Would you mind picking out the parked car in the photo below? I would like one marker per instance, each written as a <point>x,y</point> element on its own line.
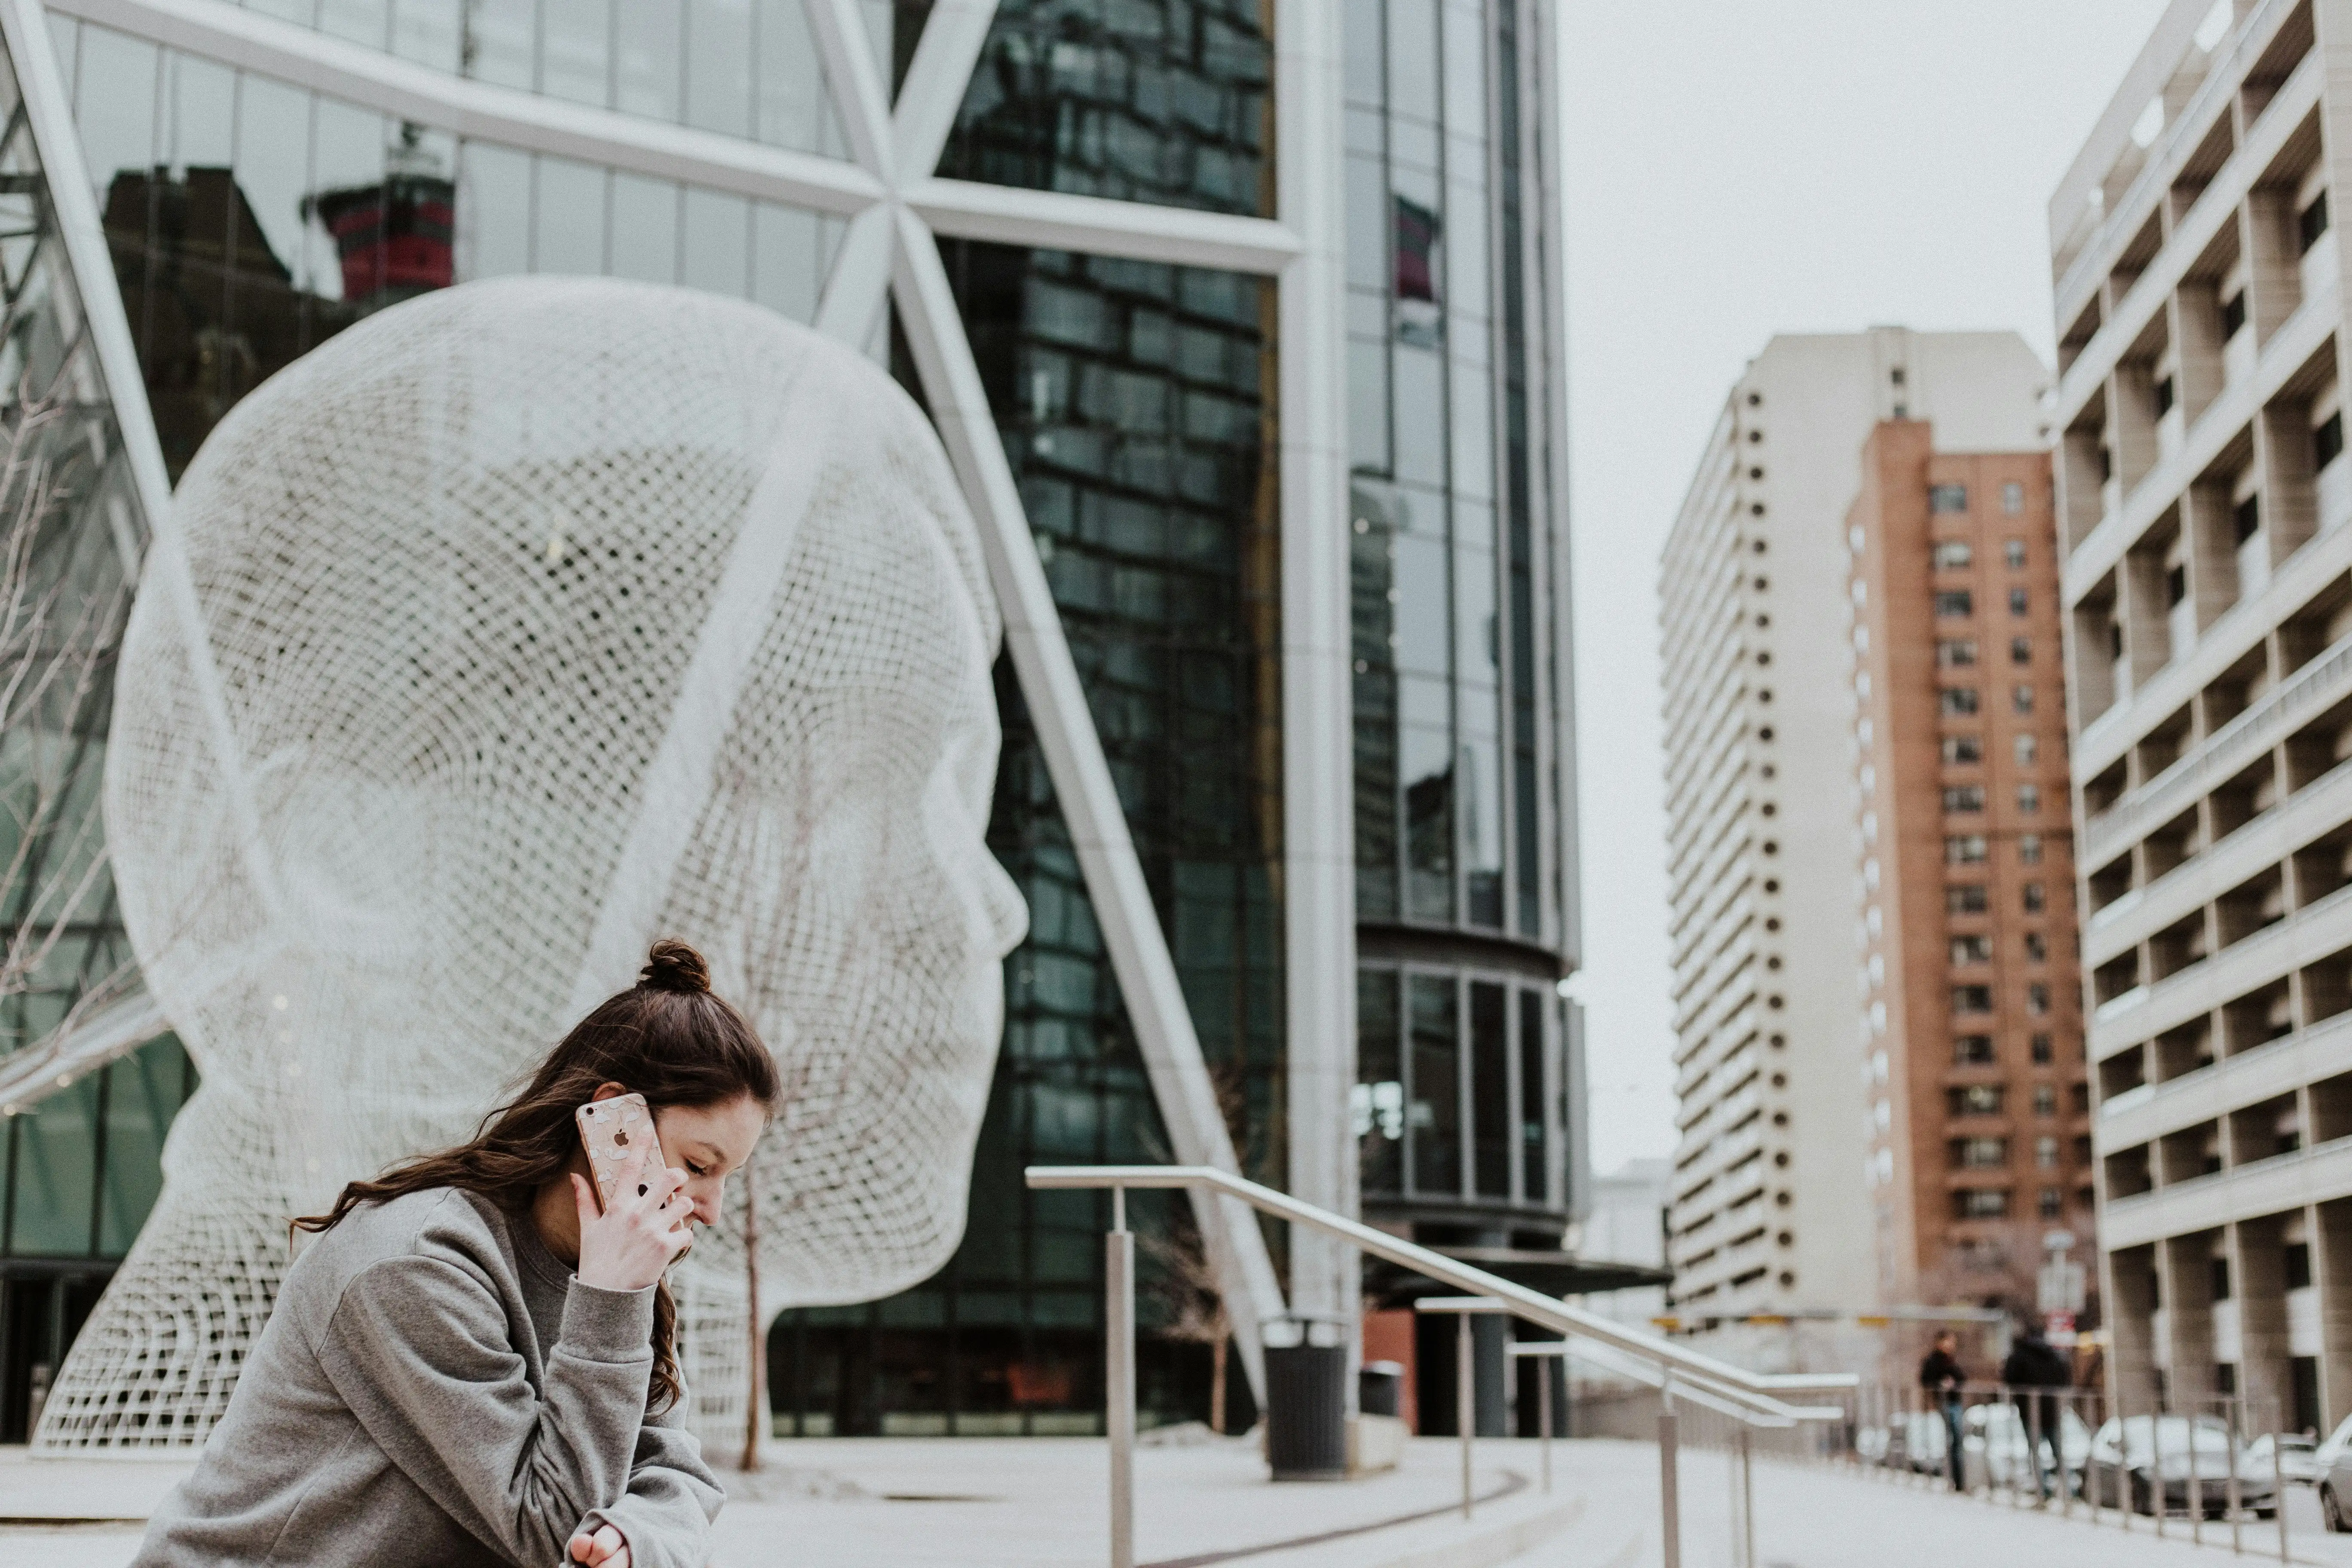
<point>2299,1459</point>
<point>1997,1444</point>
<point>2142,1458</point>
<point>1993,1439</point>
<point>2333,1460</point>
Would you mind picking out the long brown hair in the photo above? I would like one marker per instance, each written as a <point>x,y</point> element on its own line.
<point>667,1037</point>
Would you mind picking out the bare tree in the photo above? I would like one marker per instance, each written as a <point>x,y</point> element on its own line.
<point>1186,1287</point>
<point>757,1360</point>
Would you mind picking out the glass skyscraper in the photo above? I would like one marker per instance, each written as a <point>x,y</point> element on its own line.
<point>262,185</point>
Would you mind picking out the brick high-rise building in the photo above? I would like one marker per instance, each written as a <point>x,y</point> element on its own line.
<point>1976,1111</point>
<point>1770,1216</point>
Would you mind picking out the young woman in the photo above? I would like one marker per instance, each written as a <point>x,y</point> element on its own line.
<point>471,1364</point>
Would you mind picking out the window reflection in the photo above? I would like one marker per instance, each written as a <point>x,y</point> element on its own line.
<point>1435,1087</point>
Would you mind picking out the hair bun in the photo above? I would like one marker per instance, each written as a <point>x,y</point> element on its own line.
<point>672,965</point>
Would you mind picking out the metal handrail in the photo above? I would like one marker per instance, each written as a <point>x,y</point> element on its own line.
<point>1534,1307</point>
<point>1706,1379</point>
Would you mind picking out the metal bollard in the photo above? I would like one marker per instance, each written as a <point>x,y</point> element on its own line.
<point>2196,1484</point>
<point>1747,1499</point>
<point>1670,1530</point>
<point>1119,1370</point>
<point>2278,1496</point>
<point>2235,1499</point>
<point>1543,1413</point>
<point>1465,1401</point>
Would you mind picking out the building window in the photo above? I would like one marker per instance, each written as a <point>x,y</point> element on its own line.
<point>1961,750</point>
<point>2020,698</point>
<point>2312,222</point>
<point>2036,899</point>
<point>1976,1099</point>
<point>1955,653</point>
<point>1947,497</point>
<point>2328,441</point>
<point>2029,848</point>
<point>2021,650</point>
<point>2298,1265</point>
<point>1952,554</point>
<point>1965,899</point>
<point>1971,949</point>
<point>2233,315</point>
<point>2037,999</point>
<point>1981,1154</point>
<point>1981,1203</point>
<point>2176,585</point>
<point>1958,702</point>
<point>2042,1054</point>
<point>2017,601</point>
<point>2027,749</point>
<point>2046,1154</point>
<point>2045,1102</point>
<point>1954,604</point>
<point>2050,1204</point>
<point>2013,501</point>
<point>2248,517</point>
<point>2028,798</point>
<point>1974,1051</point>
<point>2037,948</point>
<point>1970,1000</point>
<point>1964,797</point>
<point>2162,392</point>
<point>1964,850</point>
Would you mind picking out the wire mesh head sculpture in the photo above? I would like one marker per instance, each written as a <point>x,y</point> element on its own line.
<point>546,616</point>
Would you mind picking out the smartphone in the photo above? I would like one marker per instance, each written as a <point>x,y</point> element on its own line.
<point>611,1131</point>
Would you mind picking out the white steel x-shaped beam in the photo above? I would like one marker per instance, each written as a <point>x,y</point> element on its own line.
<point>889,254</point>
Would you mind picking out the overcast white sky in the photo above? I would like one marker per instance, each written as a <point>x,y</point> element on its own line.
<point>1733,170</point>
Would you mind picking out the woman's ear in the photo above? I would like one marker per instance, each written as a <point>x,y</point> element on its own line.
<point>606,1091</point>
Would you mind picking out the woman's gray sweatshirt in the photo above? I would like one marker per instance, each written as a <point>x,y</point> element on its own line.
<point>434,1386</point>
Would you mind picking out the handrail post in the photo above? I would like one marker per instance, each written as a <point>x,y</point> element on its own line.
<point>2196,1485</point>
<point>1670,1532</point>
<point>1119,1311</point>
<point>1465,1401</point>
<point>2236,1496</point>
<point>1747,1497</point>
<point>1543,1411</point>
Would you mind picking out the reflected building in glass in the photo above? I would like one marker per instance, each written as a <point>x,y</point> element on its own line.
<point>249,213</point>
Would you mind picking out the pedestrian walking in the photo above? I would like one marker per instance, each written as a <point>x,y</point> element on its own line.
<point>2034,1364</point>
<point>1941,1374</point>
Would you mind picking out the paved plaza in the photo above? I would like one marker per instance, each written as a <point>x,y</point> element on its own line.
<point>1040,1503</point>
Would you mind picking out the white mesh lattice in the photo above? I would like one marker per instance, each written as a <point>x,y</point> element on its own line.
<point>553,615</point>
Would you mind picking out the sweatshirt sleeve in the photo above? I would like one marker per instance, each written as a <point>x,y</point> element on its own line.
<point>673,1497</point>
<point>421,1352</point>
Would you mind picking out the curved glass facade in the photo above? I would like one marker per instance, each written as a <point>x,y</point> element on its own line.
<point>1463,1051</point>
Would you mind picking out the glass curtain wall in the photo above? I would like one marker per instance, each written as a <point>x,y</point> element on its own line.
<point>1135,404</point>
<point>78,1170</point>
<point>1459,1106</point>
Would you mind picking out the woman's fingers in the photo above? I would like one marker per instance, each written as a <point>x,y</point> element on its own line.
<point>580,1546</point>
<point>612,1550</point>
<point>583,1194</point>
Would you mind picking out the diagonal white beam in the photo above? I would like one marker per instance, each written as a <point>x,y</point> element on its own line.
<point>859,92</point>
<point>1057,220</point>
<point>858,287</point>
<point>233,35</point>
<point>24,28</point>
<point>1082,784</point>
<point>937,79</point>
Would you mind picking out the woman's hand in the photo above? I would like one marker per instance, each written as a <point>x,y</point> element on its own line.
<point>627,1247</point>
<point>604,1549</point>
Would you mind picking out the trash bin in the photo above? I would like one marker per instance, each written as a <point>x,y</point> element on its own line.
<point>1379,1388</point>
<point>1305,1402</point>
